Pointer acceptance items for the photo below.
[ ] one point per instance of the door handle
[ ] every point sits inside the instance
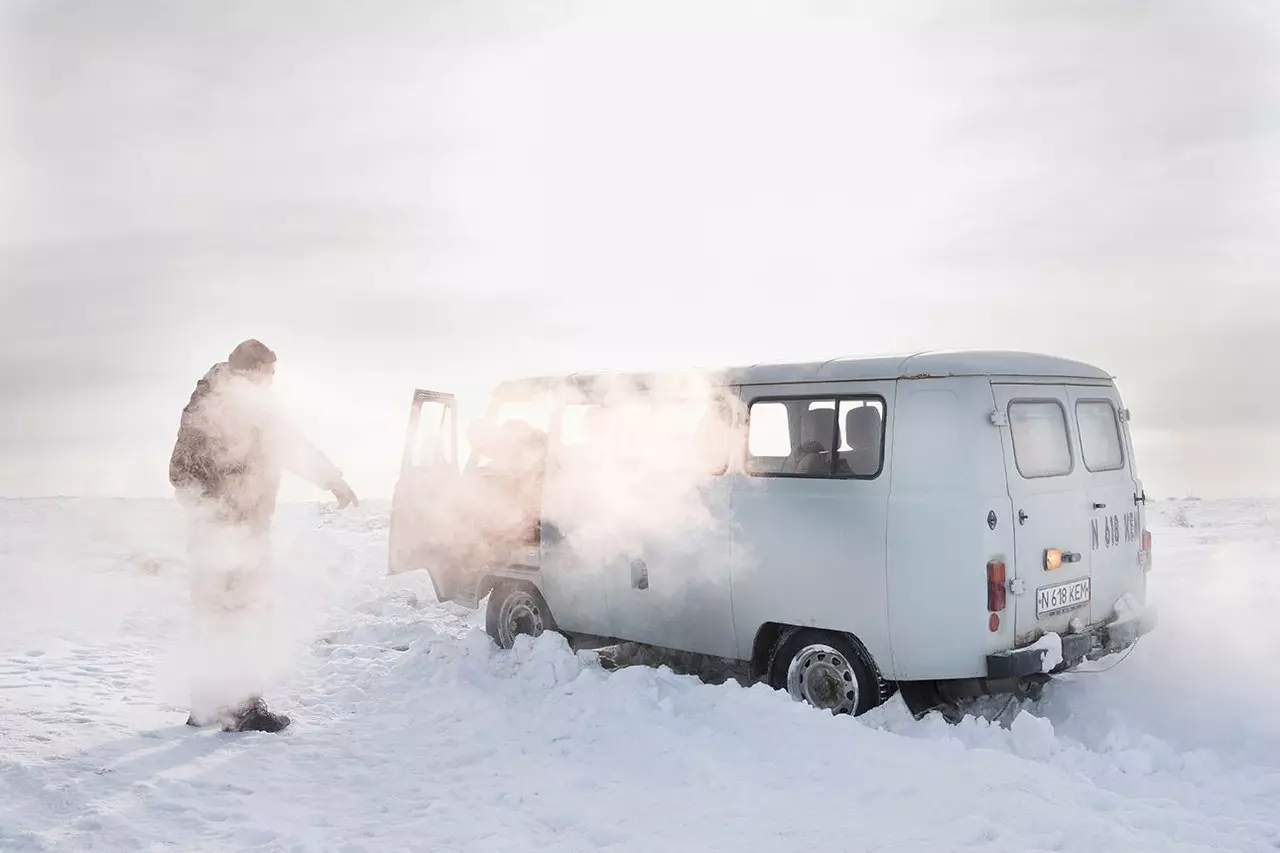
(1022, 516)
(1099, 506)
(1070, 556)
(1140, 499)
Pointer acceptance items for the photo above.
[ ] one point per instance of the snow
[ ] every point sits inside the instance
(1051, 643)
(412, 732)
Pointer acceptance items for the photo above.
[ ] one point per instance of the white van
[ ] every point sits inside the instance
(948, 524)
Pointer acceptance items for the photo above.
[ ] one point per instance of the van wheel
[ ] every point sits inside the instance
(516, 608)
(825, 670)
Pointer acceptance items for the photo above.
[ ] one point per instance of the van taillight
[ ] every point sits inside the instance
(1146, 540)
(995, 586)
(1144, 557)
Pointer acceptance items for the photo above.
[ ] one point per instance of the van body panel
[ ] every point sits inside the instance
(658, 587)
(574, 583)
(676, 591)
(811, 552)
(949, 514)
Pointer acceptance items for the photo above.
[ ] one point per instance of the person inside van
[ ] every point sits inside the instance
(813, 456)
(516, 452)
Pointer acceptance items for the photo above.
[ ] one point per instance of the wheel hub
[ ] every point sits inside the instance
(823, 677)
(521, 614)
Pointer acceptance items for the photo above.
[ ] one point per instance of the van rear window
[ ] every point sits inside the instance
(1041, 447)
(1100, 435)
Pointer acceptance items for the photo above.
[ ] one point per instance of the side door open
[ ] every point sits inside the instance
(426, 498)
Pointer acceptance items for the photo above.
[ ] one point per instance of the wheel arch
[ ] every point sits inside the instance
(770, 635)
(766, 640)
(487, 582)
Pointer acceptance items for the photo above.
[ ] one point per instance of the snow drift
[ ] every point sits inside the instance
(413, 732)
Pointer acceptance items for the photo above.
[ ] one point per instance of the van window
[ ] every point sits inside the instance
(535, 414)
(820, 438)
(1040, 444)
(584, 424)
(768, 437)
(712, 435)
(432, 445)
(684, 434)
(1100, 435)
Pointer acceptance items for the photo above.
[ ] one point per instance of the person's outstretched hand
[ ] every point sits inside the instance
(343, 493)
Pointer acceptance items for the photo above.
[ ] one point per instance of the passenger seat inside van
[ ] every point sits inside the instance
(862, 434)
(813, 456)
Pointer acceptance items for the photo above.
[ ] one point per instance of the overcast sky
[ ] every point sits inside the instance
(444, 194)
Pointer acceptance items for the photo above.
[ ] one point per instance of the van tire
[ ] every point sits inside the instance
(516, 608)
(836, 658)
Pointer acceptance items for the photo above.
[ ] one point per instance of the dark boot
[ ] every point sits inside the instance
(256, 717)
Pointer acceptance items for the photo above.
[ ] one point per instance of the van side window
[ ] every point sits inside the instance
(1100, 435)
(584, 424)
(713, 435)
(818, 438)
(431, 446)
(691, 436)
(1041, 447)
(768, 438)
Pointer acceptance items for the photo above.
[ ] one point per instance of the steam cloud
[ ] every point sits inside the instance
(632, 469)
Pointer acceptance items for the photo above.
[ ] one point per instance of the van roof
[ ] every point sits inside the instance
(921, 365)
(911, 366)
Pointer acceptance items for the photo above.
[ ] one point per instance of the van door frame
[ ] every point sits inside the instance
(1115, 519)
(417, 513)
(1049, 512)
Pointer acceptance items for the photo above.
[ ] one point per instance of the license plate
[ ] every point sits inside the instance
(1063, 596)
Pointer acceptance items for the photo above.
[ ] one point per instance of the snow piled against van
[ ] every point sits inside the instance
(413, 733)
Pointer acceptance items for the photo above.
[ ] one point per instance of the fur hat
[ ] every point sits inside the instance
(251, 355)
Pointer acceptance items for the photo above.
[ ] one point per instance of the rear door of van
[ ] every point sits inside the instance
(1048, 485)
(1115, 520)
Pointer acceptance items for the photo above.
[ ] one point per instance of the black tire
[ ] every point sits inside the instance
(839, 667)
(516, 608)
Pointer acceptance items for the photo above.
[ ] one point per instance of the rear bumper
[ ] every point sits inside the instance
(1097, 642)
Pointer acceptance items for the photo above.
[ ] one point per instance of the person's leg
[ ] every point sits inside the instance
(251, 635)
(206, 575)
(229, 593)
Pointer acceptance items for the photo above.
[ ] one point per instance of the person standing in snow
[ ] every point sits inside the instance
(231, 450)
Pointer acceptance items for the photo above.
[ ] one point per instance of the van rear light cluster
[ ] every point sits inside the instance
(1144, 556)
(996, 592)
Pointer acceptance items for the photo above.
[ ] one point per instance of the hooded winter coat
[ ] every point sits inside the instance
(233, 445)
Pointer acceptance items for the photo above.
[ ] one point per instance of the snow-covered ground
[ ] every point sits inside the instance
(413, 733)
